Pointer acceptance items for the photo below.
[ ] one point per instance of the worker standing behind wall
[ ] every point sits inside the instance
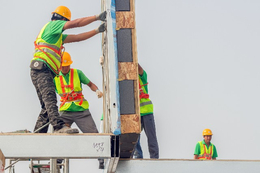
(205, 150)
(74, 107)
(47, 62)
(147, 118)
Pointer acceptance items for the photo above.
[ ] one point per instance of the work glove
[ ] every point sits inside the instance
(99, 93)
(101, 28)
(102, 16)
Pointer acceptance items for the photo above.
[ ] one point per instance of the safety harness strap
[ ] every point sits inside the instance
(39, 46)
(142, 94)
(71, 96)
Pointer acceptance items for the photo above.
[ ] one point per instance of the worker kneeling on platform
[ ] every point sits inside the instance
(205, 150)
(74, 107)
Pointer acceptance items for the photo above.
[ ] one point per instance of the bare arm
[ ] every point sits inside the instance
(79, 22)
(140, 70)
(80, 37)
(196, 156)
(92, 86)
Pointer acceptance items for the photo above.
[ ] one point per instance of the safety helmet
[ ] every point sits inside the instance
(66, 59)
(63, 11)
(206, 132)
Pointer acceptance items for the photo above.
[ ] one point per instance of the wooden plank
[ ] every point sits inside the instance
(2, 161)
(125, 20)
(127, 71)
(130, 123)
(135, 60)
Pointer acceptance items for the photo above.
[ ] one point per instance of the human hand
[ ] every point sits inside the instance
(101, 28)
(102, 16)
(99, 93)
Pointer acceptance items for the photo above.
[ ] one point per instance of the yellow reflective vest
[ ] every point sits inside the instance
(205, 153)
(71, 92)
(49, 53)
(146, 105)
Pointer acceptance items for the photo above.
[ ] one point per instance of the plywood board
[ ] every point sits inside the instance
(130, 123)
(127, 71)
(2, 161)
(125, 20)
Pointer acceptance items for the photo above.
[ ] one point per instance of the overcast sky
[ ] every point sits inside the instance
(202, 60)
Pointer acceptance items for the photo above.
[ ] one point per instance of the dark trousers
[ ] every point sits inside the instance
(148, 124)
(43, 82)
(83, 119)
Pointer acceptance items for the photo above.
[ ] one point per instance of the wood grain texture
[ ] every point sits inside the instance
(130, 123)
(125, 20)
(2, 158)
(127, 71)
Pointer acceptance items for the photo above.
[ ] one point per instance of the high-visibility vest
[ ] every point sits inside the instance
(146, 105)
(205, 153)
(71, 92)
(49, 53)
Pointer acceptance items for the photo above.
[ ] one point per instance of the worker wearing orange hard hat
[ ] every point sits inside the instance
(46, 62)
(74, 108)
(205, 150)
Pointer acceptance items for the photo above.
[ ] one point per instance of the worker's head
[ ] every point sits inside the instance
(66, 62)
(61, 13)
(207, 135)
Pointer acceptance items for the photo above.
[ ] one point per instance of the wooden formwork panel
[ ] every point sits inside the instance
(127, 71)
(2, 161)
(127, 76)
(130, 123)
(125, 20)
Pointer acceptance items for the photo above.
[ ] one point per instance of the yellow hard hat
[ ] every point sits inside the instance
(63, 11)
(66, 59)
(206, 132)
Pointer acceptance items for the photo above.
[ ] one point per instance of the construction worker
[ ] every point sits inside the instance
(147, 118)
(46, 62)
(205, 150)
(74, 107)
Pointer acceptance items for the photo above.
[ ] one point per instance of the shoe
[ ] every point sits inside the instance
(66, 129)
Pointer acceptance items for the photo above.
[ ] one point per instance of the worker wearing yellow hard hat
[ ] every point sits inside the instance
(46, 62)
(205, 150)
(74, 108)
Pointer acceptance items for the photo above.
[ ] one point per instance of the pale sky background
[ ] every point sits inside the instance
(202, 60)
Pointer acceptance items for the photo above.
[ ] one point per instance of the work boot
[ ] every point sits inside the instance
(66, 129)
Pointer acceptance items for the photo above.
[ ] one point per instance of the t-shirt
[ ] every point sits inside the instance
(197, 149)
(143, 78)
(83, 79)
(53, 30)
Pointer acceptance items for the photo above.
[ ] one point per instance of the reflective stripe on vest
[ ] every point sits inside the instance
(71, 92)
(205, 154)
(49, 53)
(146, 103)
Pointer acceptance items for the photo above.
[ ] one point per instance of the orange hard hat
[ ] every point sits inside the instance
(206, 132)
(66, 59)
(63, 11)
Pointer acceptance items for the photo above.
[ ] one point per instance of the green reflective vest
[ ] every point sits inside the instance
(205, 153)
(71, 92)
(146, 105)
(49, 53)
